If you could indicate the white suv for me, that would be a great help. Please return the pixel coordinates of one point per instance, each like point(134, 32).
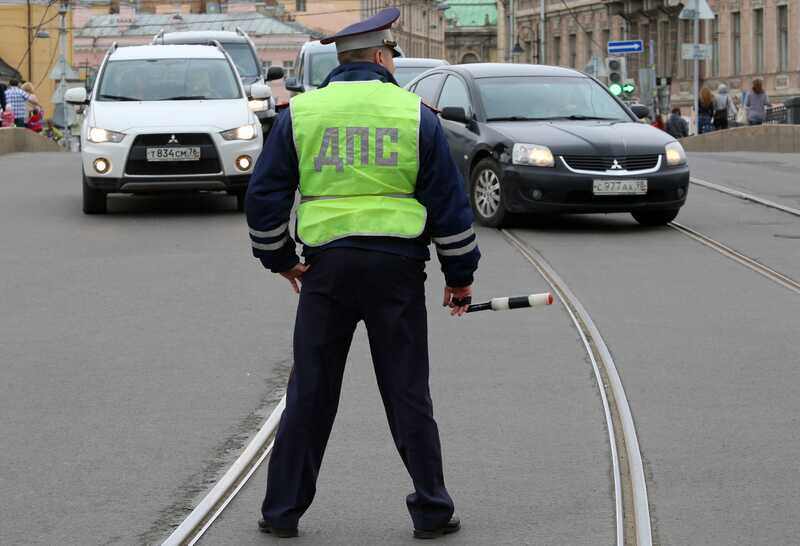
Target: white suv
point(167, 118)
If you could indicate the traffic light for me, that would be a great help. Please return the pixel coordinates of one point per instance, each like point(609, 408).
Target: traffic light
point(617, 74)
point(628, 87)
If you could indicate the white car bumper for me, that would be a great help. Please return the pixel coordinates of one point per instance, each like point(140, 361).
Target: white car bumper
point(124, 167)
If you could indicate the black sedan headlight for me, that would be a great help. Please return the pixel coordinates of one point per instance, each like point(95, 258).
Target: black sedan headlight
point(675, 154)
point(534, 155)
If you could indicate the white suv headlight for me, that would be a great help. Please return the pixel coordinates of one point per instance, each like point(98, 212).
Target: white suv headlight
point(245, 132)
point(99, 136)
point(532, 154)
point(675, 154)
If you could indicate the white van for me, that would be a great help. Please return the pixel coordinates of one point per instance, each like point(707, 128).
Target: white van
point(167, 118)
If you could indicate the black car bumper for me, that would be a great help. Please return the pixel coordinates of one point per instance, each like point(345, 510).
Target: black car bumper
point(142, 184)
point(562, 191)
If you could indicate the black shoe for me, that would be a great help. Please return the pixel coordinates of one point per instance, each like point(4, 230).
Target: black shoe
point(280, 533)
point(450, 527)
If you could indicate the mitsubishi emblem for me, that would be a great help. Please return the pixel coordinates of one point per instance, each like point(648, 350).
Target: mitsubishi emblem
point(173, 140)
point(614, 166)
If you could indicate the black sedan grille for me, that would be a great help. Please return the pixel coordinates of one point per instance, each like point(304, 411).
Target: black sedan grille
point(604, 163)
point(138, 164)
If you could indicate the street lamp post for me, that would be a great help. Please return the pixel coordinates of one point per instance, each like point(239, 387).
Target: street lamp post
point(518, 49)
point(62, 39)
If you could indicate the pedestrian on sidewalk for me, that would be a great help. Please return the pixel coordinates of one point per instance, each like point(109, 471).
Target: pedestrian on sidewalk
point(705, 107)
point(32, 105)
point(36, 120)
point(724, 108)
point(3, 88)
point(18, 99)
point(676, 125)
point(756, 103)
point(7, 117)
point(377, 182)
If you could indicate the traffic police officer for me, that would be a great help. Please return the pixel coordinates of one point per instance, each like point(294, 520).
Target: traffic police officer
point(376, 183)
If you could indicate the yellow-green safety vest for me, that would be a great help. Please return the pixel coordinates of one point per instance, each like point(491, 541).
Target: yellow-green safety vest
point(357, 149)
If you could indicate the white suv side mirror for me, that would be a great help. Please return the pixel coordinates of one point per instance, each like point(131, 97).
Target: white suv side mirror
point(260, 91)
point(76, 95)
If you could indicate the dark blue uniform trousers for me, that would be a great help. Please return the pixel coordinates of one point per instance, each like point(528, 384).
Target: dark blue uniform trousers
point(386, 291)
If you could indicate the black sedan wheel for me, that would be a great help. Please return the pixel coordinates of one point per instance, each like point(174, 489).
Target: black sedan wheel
point(655, 217)
point(485, 194)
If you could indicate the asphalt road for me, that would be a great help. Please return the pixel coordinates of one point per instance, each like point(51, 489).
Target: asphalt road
point(140, 350)
point(771, 176)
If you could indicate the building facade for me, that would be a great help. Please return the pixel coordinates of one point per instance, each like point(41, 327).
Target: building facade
point(29, 44)
point(421, 27)
point(471, 33)
point(419, 31)
point(748, 39)
point(323, 16)
point(574, 31)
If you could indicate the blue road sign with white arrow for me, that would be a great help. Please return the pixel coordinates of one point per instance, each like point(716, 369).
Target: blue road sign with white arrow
point(625, 46)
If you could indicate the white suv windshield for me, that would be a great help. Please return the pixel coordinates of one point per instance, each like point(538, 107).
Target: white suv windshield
point(168, 79)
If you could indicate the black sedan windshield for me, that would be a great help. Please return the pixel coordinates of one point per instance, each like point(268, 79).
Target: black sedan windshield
point(540, 97)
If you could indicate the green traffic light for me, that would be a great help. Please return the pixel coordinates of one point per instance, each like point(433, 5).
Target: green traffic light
point(628, 88)
point(616, 89)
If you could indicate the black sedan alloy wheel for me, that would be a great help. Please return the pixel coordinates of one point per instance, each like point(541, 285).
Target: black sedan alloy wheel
point(486, 196)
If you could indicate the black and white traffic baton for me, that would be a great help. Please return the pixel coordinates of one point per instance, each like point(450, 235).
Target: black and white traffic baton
point(514, 302)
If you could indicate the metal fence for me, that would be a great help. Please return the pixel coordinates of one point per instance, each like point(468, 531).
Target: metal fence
point(776, 115)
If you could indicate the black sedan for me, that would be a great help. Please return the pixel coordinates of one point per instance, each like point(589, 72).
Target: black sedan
point(544, 139)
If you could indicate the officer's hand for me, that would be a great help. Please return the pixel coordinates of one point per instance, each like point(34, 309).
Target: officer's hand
point(452, 294)
point(294, 275)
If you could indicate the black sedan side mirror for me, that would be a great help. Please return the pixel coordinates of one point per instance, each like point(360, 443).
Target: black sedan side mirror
point(274, 73)
point(455, 113)
point(291, 84)
point(640, 111)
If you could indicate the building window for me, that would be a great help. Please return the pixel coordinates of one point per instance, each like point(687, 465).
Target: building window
point(573, 53)
point(663, 51)
point(557, 50)
point(715, 46)
point(288, 67)
point(758, 39)
point(736, 43)
point(687, 38)
point(606, 39)
point(783, 38)
point(300, 5)
point(589, 47)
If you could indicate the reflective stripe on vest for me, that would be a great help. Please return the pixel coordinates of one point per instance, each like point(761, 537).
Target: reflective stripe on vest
point(357, 150)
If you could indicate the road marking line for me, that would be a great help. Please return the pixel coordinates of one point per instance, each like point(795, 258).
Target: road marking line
point(223, 492)
point(742, 195)
point(735, 255)
point(591, 337)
